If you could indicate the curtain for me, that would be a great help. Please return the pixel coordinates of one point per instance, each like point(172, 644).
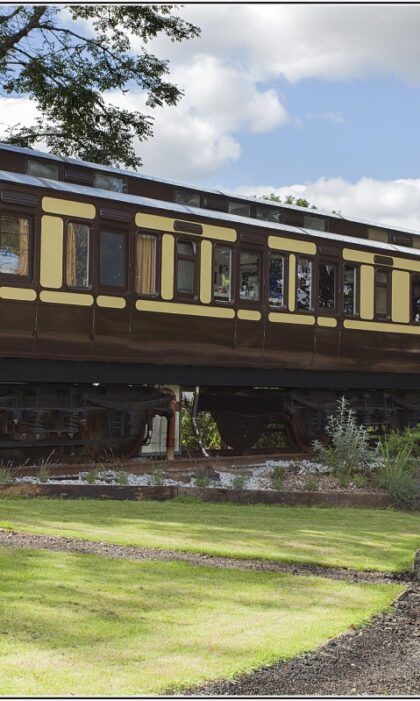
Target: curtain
point(146, 264)
point(23, 240)
point(71, 256)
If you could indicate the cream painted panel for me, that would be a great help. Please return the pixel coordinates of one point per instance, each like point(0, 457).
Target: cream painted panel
point(249, 315)
point(145, 305)
point(206, 272)
point(326, 321)
point(68, 208)
point(292, 282)
point(154, 221)
point(367, 279)
point(380, 326)
point(400, 296)
point(364, 257)
point(168, 266)
point(78, 299)
point(20, 293)
point(284, 244)
point(51, 268)
point(110, 302)
point(304, 319)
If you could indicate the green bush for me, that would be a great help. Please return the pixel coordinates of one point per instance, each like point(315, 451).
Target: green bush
point(6, 475)
point(43, 473)
point(91, 476)
point(359, 480)
point(311, 484)
point(203, 481)
point(206, 425)
point(277, 477)
point(157, 478)
point(239, 482)
point(121, 478)
point(349, 448)
point(395, 474)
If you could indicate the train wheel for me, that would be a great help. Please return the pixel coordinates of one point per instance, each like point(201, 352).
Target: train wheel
point(303, 428)
point(238, 431)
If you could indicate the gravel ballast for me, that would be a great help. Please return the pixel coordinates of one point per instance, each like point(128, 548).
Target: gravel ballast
point(382, 658)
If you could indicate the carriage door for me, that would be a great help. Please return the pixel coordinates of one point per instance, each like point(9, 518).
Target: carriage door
point(112, 313)
point(250, 324)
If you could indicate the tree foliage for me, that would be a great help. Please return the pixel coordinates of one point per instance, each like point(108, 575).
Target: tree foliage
point(67, 58)
point(289, 199)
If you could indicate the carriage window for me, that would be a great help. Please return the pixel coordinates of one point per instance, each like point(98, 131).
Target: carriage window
point(276, 280)
point(349, 290)
point(416, 241)
point(268, 213)
point(242, 209)
point(327, 275)
point(415, 299)
point(146, 246)
point(222, 274)
point(107, 181)
point(188, 197)
point(112, 258)
point(77, 255)
point(249, 275)
point(378, 235)
point(304, 284)
point(185, 267)
point(41, 169)
point(14, 244)
point(310, 222)
point(381, 292)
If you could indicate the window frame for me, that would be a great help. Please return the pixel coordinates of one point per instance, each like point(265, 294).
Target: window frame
point(356, 267)
point(196, 259)
point(114, 290)
point(412, 276)
point(158, 272)
point(312, 308)
point(327, 311)
point(286, 258)
point(11, 279)
point(245, 301)
point(388, 287)
point(89, 224)
point(232, 250)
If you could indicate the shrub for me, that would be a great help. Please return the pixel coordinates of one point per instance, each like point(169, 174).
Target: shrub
point(239, 482)
point(311, 484)
point(43, 473)
point(206, 425)
point(349, 449)
point(203, 481)
point(359, 480)
point(91, 476)
point(395, 473)
point(121, 477)
point(157, 478)
point(6, 474)
point(277, 477)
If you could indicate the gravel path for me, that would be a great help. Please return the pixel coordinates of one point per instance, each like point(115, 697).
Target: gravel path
point(382, 658)
point(123, 552)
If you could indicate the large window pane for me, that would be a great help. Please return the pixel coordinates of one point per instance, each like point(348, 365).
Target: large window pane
point(349, 290)
point(326, 285)
point(378, 235)
point(304, 284)
point(381, 292)
point(311, 222)
point(222, 274)
point(268, 213)
point(43, 169)
point(188, 197)
point(249, 275)
point(146, 264)
point(14, 245)
point(108, 181)
point(78, 255)
point(112, 259)
point(185, 266)
point(276, 280)
point(242, 209)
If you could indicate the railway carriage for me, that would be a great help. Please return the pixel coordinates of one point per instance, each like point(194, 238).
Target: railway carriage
point(115, 285)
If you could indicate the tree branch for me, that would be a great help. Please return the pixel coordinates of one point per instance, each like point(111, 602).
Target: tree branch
point(9, 42)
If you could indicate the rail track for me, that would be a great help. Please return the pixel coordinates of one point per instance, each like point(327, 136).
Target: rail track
point(142, 466)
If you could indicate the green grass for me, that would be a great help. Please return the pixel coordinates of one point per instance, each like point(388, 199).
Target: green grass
point(85, 625)
point(356, 538)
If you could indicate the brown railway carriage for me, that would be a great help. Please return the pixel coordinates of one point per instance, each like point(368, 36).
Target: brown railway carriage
point(126, 291)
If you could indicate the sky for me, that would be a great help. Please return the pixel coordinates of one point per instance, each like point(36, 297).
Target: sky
point(320, 101)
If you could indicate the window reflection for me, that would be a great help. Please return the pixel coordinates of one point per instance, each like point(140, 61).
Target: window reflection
point(276, 280)
point(326, 285)
point(249, 275)
point(222, 274)
point(304, 284)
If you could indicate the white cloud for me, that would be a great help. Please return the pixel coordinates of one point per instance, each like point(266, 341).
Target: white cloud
point(394, 203)
point(14, 110)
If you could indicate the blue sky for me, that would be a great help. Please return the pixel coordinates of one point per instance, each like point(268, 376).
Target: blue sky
point(321, 101)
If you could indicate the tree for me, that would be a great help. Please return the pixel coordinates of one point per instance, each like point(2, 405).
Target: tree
point(67, 58)
point(289, 199)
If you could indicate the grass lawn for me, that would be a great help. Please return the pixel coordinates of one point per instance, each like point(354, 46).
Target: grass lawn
point(86, 625)
point(356, 538)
